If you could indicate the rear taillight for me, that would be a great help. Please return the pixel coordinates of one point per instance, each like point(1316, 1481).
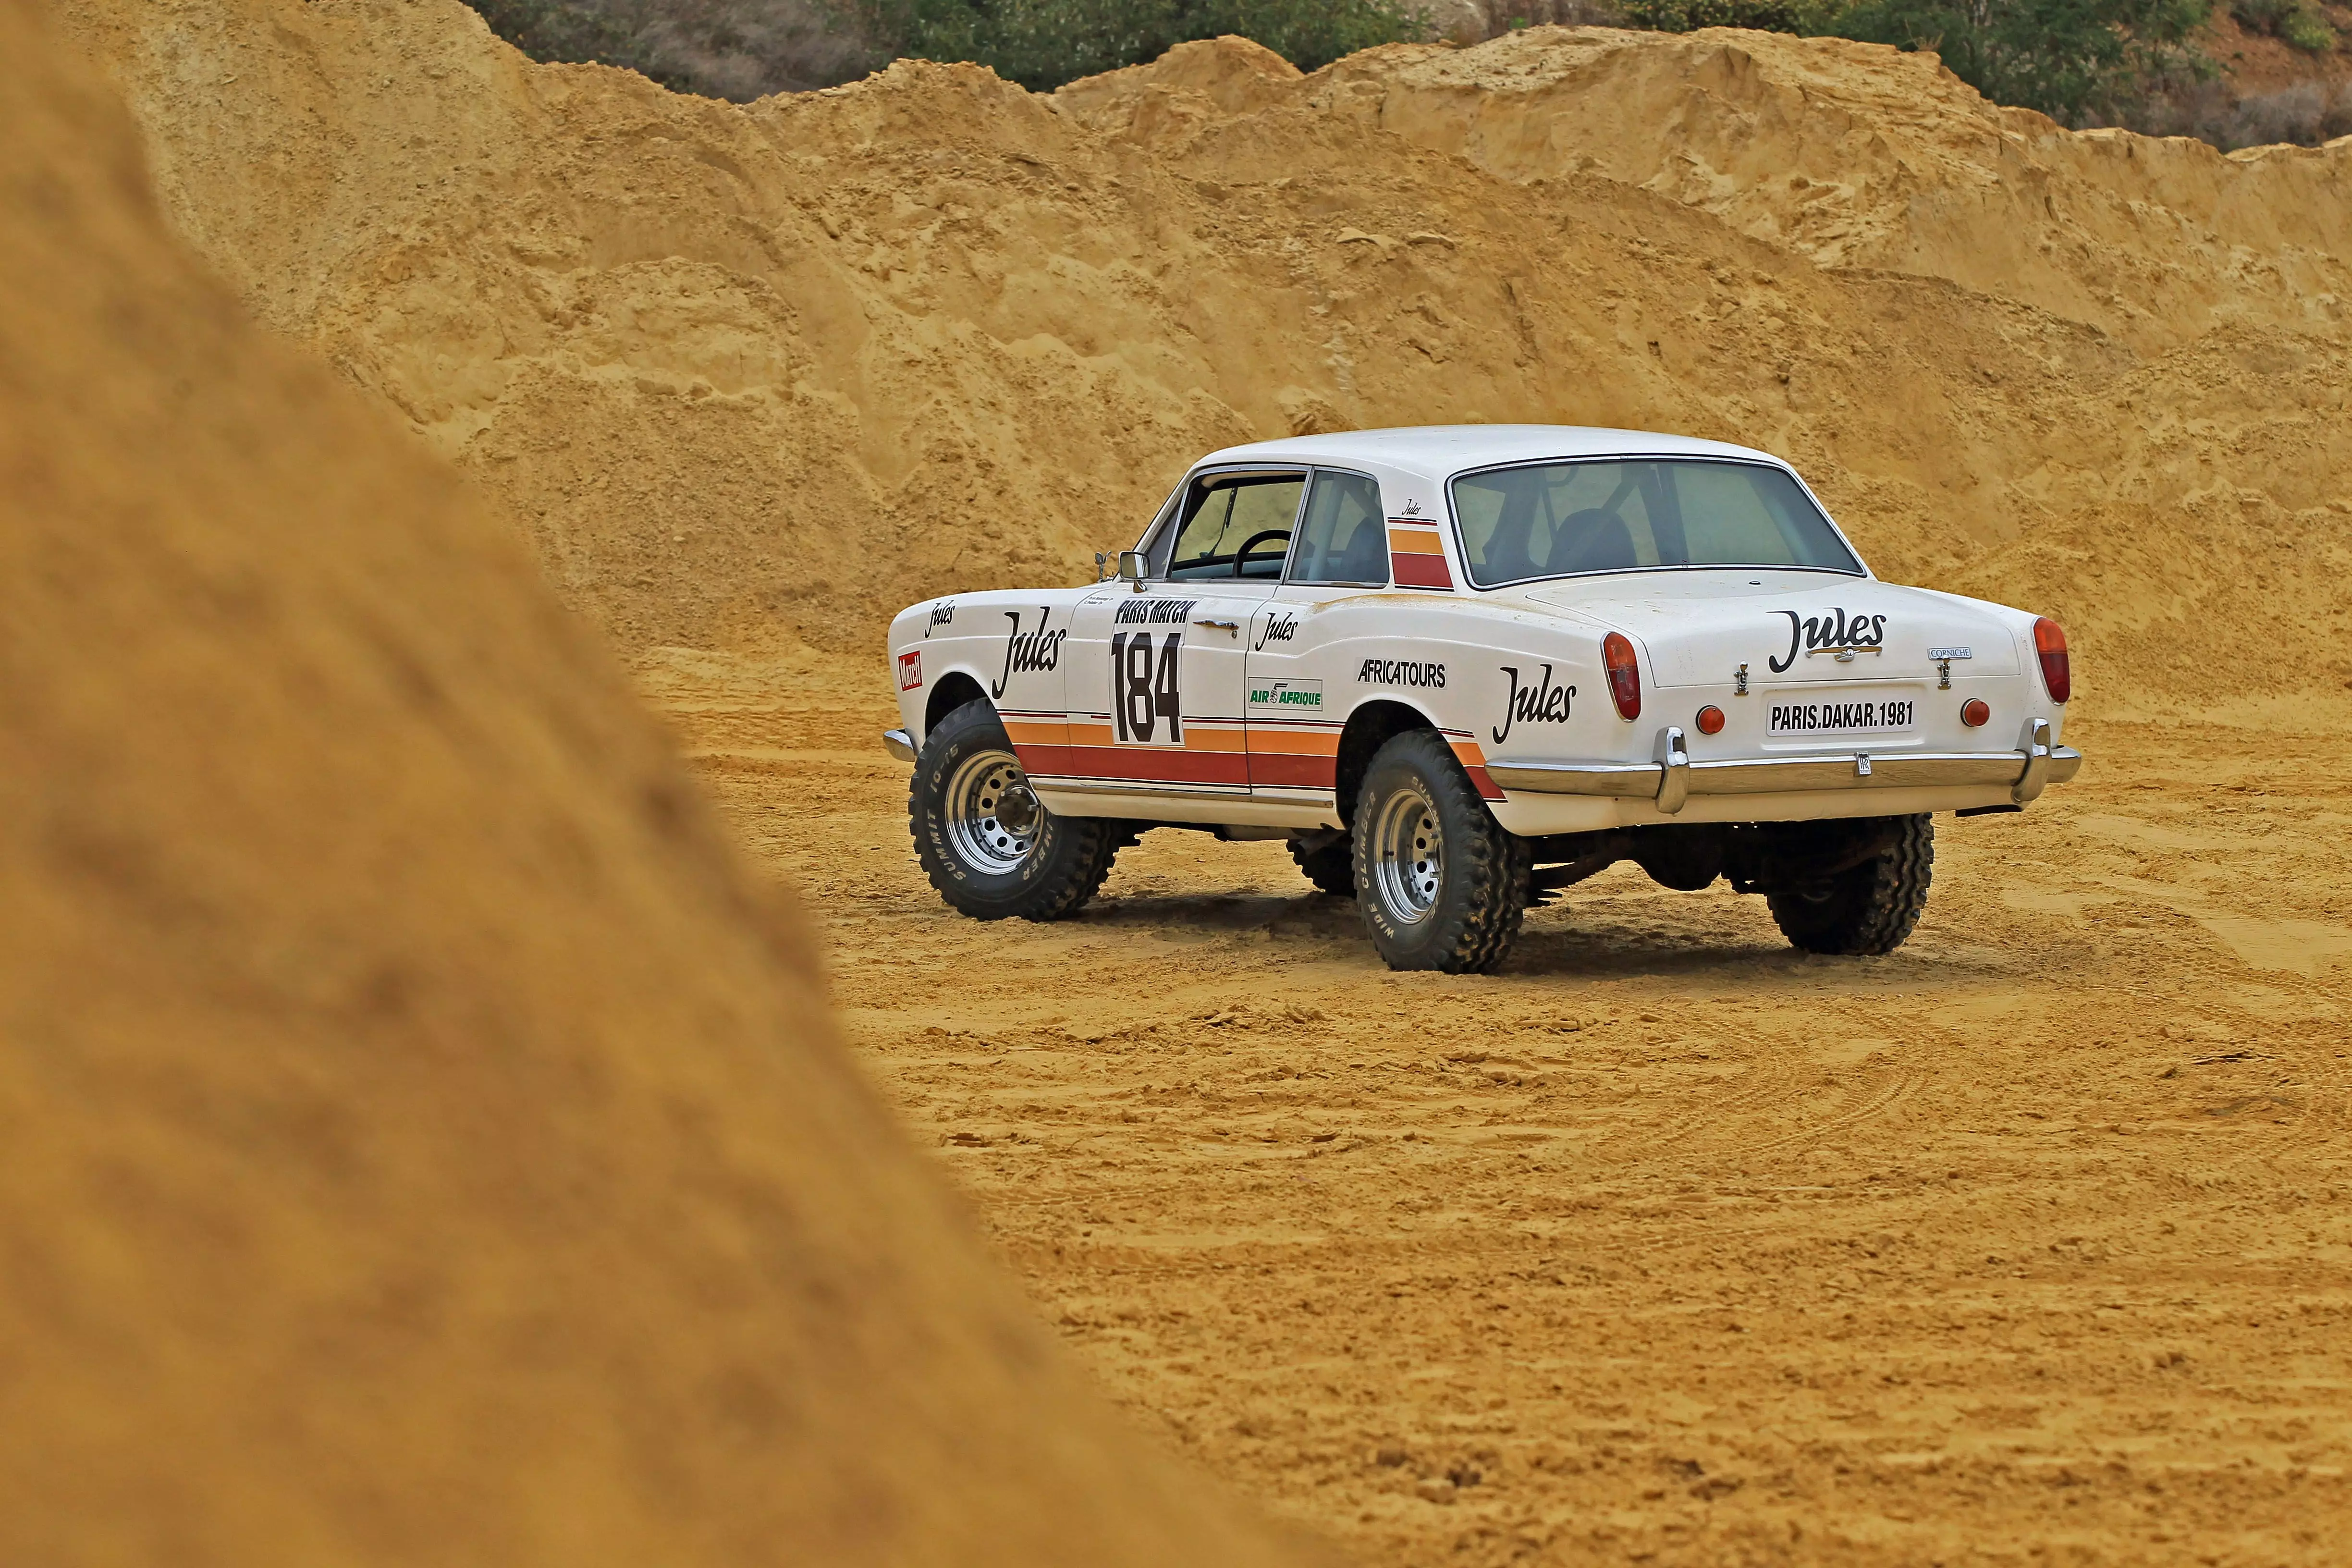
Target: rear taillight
point(1625, 677)
point(2049, 643)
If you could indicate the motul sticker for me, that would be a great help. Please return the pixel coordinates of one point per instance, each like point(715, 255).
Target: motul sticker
point(911, 670)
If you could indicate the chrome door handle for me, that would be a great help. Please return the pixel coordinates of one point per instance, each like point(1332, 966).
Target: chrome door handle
point(1233, 626)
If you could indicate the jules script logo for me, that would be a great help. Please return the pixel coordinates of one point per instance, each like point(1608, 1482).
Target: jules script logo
point(1028, 651)
point(942, 615)
point(1278, 628)
point(1540, 703)
point(1829, 634)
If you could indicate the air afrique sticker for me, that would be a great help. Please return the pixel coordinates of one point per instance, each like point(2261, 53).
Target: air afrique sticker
point(1299, 699)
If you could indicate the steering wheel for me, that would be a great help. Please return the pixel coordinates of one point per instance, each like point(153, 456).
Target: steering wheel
point(1253, 542)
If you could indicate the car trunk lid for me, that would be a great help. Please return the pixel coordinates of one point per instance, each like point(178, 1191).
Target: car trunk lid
point(1788, 629)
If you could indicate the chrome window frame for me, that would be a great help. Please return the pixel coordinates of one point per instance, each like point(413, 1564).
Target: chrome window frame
point(1172, 508)
point(1462, 543)
point(1315, 472)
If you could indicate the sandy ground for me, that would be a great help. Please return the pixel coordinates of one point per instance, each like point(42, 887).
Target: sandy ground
point(1665, 1244)
point(2031, 1242)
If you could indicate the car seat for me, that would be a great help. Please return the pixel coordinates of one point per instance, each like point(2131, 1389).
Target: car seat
point(1365, 558)
point(1592, 540)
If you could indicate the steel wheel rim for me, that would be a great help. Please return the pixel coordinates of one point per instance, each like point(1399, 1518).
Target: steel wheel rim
point(1408, 855)
point(993, 819)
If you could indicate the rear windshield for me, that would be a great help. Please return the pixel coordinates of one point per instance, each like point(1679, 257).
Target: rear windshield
point(1557, 519)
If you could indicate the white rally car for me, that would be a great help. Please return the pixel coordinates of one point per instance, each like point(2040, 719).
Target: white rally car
point(1462, 667)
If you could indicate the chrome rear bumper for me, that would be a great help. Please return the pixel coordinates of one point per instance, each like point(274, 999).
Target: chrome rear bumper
point(899, 745)
point(1674, 778)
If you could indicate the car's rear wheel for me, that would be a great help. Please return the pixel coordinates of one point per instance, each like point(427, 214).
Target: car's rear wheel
point(987, 844)
point(1331, 866)
point(1443, 885)
point(1867, 908)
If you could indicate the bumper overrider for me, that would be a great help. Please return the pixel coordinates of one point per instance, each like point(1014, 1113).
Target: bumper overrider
point(1674, 778)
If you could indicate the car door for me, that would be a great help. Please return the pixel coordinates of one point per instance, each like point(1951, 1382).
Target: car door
point(1157, 670)
point(1293, 704)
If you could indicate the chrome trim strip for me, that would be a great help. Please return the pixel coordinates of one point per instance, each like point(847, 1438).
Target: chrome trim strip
point(1074, 783)
point(899, 745)
point(1577, 778)
point(1778, 775)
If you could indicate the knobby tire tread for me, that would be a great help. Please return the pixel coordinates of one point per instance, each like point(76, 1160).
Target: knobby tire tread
point(1331, 868)
point(1084, 848)
point(1876, 906)
point(1495, 863)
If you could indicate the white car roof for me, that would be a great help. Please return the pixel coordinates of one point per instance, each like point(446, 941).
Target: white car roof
point(1437, 450)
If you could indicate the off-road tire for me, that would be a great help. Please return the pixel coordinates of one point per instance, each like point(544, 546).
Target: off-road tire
point(1477, 885)
point(1864, 909)
point(1066, 857)
point(1331, 868)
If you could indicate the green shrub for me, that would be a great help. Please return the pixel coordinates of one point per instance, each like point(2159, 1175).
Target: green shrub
point(2072, 60)
point(1040, 44)
point(2297, 23)
point(2307, 30)
point(1808, 17)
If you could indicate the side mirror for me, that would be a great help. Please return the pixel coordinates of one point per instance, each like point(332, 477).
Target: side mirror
point(1131, 566)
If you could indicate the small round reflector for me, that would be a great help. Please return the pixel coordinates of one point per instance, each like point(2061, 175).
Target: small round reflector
point(1973, 712)
point(1710, 719)
point(1624, 676)
point(2049, 642)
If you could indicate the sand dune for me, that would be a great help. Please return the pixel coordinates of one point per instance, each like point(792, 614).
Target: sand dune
point(755, 376)
point(426, 1141)
point(399, 1063)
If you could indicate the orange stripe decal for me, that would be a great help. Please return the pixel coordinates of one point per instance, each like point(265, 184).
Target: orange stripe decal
point(1474, 762)
point(1271, 741)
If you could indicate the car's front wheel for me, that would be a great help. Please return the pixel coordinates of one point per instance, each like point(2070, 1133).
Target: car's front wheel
point(987, 844)
point(1442, 884)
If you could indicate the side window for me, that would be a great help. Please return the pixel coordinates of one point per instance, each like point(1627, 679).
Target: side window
point(1345, 536)
point(1235, 526)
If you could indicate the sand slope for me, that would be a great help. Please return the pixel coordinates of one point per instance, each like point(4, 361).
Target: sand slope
point(1666, 1243)
point(425, 1143)
point(764, 373)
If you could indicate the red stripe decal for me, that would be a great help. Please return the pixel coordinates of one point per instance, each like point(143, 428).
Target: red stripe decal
point(1421, 571)
point(1484, 784)
point(1278, 770)
point(1046, 760)
point(1147, 764)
